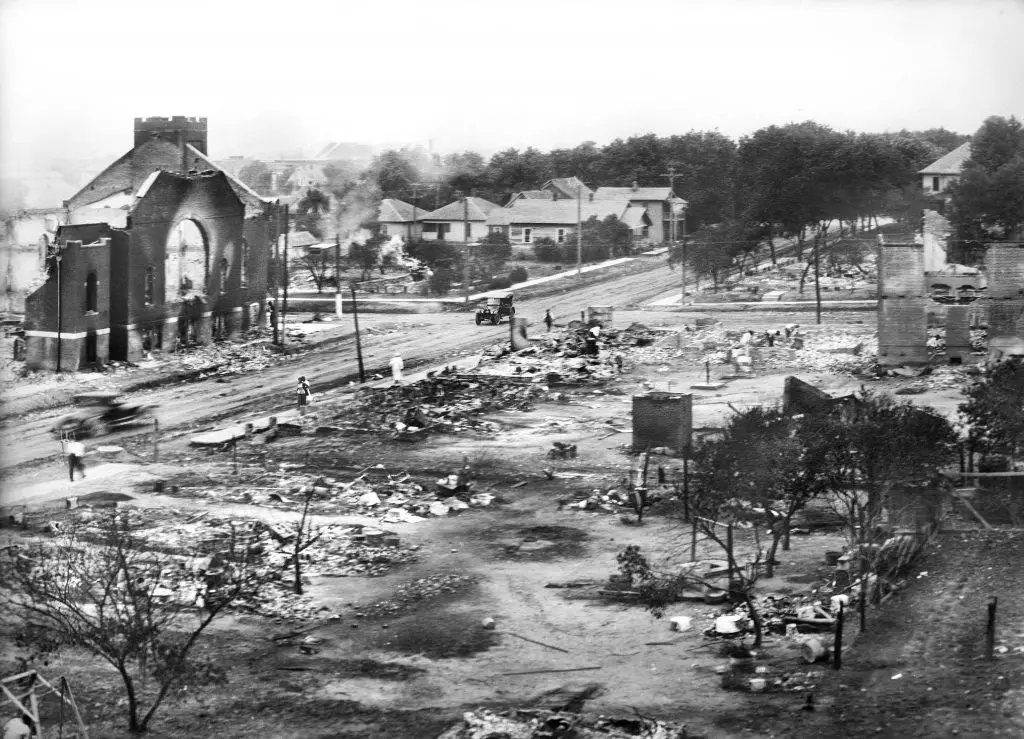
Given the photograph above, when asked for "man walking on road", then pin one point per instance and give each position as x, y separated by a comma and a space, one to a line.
75, 451
548, 320
397, 365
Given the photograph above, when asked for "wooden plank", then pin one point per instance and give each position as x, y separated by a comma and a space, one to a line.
973, 510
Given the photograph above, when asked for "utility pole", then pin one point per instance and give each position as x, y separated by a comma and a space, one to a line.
284, 304
412, 226
274, 315
337, 275
465, 245
671, 175
579, 231
359, 345
58, 256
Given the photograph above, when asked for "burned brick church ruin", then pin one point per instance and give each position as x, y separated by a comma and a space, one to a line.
161, 249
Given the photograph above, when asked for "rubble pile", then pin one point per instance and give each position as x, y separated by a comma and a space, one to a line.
415, 592
541, 724
571, 356
822, 351
444, 403
218, 359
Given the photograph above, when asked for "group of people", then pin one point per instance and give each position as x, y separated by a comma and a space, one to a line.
768, 338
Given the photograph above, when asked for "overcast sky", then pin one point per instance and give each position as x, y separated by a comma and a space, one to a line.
273, 76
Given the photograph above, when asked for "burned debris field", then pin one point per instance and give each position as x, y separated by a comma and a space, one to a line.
483, 549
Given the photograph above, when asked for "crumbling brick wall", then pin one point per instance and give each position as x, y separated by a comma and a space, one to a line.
902, 305
662, 420
1004, 265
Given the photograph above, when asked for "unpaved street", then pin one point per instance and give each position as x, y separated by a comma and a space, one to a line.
421, 339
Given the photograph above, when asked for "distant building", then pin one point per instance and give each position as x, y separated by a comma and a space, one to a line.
940, 174
529, 219
463, 223
160, 249
399, 218
308, 175
659, 203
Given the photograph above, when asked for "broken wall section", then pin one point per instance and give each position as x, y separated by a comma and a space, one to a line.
1004, 265
902, 305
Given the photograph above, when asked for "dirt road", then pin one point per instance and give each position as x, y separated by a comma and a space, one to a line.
421, 339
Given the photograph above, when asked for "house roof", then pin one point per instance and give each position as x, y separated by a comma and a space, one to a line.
562, 212
479, 209
530, 195
299, 239
311, 171
639, 193
393, 210
345, 150
566, 186
951, 163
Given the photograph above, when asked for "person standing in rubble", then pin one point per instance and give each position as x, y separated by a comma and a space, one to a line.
548, 320
75, 451
303, 393
397, 365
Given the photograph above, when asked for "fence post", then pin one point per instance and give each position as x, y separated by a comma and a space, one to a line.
990, 629
731, 559
693, 539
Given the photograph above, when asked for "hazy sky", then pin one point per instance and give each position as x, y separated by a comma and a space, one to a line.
272, 76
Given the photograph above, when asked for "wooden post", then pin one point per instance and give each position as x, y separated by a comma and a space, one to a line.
83, 733
990, 629
234, 455
837, 649
156, 439
686, 488
731, 557
693, 539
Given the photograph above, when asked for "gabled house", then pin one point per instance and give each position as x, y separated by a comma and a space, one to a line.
305, 176
559, 188
943, 172
399, 218
160, 248
660, 203
527, 220
460, 221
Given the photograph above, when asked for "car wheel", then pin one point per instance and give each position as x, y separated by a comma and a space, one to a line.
495, 319
477, 319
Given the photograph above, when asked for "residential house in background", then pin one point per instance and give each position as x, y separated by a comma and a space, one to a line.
559, 188
660, 203
306, 176
459, 221
300, 242
940, 174
160, 248
399, 218
527, 219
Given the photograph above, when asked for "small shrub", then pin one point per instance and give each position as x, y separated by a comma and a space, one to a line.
499, 283
518, 274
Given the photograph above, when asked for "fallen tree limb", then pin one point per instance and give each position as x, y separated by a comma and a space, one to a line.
541, 672
534, 641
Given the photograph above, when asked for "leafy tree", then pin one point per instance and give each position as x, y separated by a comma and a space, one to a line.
994, 410
546, 250
494, 250
988, 200
311, 212
283, 186
602, 239
394, 173
367, 254
101, 591
317, 264
257, 175
512, 170
867, 447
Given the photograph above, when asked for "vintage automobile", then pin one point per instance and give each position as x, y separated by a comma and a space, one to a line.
495, 309
101, 413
